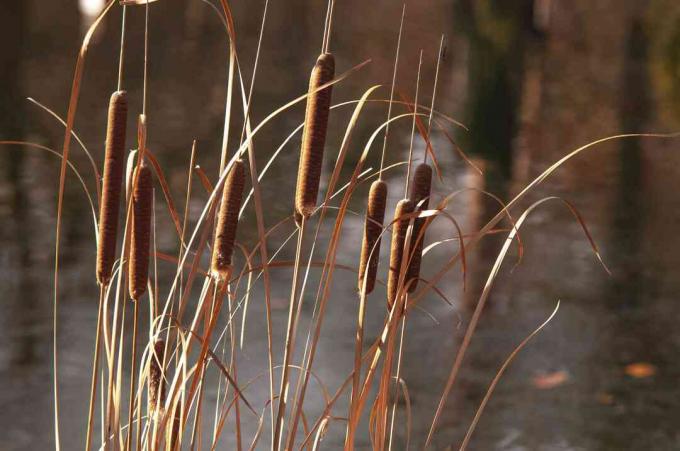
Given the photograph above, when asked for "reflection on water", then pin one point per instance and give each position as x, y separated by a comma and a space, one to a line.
531, 79
90, 8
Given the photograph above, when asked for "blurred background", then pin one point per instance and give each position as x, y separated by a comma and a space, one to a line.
531, 79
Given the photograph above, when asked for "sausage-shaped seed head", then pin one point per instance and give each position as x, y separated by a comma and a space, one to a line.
399, 229
156, 379
114, 162
375, 215
140, 238
420, 191
227, 221
314, 135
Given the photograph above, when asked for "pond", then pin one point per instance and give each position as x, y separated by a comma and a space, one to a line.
532, 80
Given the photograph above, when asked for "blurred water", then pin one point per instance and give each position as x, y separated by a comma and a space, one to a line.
532, 80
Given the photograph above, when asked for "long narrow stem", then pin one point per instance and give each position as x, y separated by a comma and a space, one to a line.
397, 381
146, 56
121, 56
356, 375
413, 127
290, 340
95, 368
133, 376
325, 43
389, 107
434, 94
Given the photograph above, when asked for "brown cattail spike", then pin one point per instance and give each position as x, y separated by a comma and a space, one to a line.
420, 195
157, 378
227, 221
375, 215
314, 135
399, 229
114, 161
142, 200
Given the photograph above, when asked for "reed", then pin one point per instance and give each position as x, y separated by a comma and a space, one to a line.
420, 195
314, 135
142, 200
114, 161
399, 229
370, 245
227, 221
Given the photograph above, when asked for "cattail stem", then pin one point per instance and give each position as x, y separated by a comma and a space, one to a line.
356, 375
133, 378
95, 367
314, 136
114, 161
389, 107
413, 125
420, 195
227, 222
328, 25
399, 229
290, 341
121, 55
434, 94
142, 196
397, 382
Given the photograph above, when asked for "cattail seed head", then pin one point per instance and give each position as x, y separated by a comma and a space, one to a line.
227, 221
314, 135
142, 204
375, 215
114, 161
420, 191
157, 378
399, 229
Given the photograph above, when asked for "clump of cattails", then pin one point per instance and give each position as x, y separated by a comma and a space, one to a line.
157, 378
375, 214
142, 204
114, 161
399, 229
314, 136
227, 221
420, 195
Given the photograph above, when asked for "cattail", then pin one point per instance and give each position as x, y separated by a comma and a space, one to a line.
314, 135
114, 160
399, 228
142, 200
227, 221
420, 191
156, 378
375, 214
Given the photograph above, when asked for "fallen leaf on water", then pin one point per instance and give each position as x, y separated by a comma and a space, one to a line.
605, 398
640, 370
550, 380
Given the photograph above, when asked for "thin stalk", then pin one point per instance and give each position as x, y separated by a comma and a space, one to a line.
389, 107
121, 55
325, 44
413, 126
95, 367
146, 57
397, 378
255, 65
434, 93
233, 368
195, 430
133, 375
356, 375
290, 339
